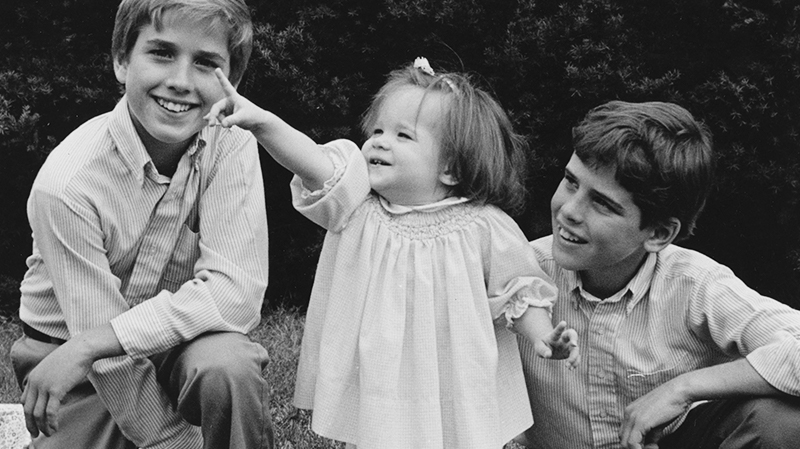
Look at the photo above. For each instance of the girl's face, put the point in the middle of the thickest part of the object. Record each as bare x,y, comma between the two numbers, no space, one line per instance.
403,153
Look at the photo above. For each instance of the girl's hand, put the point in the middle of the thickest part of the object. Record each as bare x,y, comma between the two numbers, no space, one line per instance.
561,343
235,109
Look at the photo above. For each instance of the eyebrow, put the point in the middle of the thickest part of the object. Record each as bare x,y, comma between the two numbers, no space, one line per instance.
611,202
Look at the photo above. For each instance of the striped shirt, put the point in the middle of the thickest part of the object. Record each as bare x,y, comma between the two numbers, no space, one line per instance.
162,259
682,311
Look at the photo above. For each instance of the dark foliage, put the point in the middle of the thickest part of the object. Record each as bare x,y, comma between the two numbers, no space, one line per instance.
734,64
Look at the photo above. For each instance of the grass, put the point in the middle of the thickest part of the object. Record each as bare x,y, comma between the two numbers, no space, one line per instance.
280,333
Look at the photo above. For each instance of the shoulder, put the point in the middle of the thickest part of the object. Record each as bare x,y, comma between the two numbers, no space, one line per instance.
677,262
81,148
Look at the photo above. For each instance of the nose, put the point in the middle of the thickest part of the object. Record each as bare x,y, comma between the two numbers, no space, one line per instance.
380,141
569,207
180,77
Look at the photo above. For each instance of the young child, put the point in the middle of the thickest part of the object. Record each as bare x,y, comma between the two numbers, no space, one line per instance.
149,263
661,327
405,343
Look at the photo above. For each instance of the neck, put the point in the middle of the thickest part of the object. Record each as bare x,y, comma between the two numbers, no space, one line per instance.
605,283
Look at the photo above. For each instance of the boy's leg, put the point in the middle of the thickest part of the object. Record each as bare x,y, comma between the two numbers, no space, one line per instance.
216,382
739,423
83,420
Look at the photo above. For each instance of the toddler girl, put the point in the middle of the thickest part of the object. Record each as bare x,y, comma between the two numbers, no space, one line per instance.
406,342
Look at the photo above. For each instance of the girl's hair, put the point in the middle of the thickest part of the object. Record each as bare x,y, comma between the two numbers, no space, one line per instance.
659,153
231,16
479,146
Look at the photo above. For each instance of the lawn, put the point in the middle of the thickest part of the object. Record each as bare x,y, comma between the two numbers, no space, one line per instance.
280,332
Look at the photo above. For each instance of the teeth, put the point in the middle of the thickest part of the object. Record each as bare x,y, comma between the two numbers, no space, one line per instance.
377,162
174,107
568,236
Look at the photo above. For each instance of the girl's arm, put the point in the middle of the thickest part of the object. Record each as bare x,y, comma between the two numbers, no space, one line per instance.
558,343
291,148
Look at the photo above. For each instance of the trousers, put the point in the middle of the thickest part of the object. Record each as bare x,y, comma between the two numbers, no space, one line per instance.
215,382
752,423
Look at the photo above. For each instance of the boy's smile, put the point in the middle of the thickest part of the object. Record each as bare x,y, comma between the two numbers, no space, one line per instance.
596,228
169,80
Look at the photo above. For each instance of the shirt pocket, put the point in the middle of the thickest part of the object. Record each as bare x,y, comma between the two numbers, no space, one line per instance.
184,257
638,381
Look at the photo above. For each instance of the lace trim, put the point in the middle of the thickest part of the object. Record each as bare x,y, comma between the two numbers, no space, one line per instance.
339,166
516,307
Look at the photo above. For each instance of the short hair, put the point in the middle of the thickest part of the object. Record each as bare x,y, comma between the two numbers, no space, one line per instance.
479,146
659,153
232,15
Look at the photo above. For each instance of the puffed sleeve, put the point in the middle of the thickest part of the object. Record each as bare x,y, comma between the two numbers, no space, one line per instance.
331,206
514,279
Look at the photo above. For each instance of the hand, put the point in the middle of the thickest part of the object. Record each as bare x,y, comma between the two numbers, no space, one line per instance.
234,109
561,343
646,417
48,383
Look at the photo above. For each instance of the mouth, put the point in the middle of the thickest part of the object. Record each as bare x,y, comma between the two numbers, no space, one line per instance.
174,107
568,236
376,161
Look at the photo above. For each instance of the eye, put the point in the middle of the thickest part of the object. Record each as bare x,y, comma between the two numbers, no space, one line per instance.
208,63
404,136
570,181
161,53
377,132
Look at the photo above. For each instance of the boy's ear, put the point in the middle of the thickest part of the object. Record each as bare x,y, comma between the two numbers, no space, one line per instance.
121,70
447,178
663,235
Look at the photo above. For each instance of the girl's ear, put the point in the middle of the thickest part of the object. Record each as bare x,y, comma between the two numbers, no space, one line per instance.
447,178
663,235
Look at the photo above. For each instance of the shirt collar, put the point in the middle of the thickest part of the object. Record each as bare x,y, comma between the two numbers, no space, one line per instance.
633,292
130,146
398,209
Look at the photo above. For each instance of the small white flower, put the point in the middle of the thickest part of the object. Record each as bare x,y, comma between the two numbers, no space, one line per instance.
422,64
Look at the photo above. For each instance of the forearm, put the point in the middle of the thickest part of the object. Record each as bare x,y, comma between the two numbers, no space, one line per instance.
534,324
294,150
737,378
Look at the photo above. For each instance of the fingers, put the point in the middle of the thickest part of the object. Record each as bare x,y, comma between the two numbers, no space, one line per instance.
216,115
227,87
28,401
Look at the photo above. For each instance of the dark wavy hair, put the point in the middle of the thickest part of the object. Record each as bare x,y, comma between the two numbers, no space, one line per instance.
660,154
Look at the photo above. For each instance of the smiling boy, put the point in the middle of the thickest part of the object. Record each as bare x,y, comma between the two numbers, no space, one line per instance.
661,328
149,263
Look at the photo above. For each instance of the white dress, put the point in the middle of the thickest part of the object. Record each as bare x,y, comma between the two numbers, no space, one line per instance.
405,343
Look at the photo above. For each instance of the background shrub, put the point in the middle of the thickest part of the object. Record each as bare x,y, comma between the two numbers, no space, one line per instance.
734,64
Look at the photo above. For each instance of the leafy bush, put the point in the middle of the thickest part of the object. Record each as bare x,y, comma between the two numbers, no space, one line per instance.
734,64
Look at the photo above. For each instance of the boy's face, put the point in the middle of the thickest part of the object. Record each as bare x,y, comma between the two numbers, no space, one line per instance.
169,80
596,226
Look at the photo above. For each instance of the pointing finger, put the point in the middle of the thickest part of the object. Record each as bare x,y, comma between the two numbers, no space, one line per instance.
227,87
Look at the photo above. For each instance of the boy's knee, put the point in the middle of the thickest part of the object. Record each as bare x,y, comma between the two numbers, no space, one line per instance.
219,363
774,420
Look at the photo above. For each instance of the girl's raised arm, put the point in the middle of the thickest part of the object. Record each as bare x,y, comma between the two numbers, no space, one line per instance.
291,148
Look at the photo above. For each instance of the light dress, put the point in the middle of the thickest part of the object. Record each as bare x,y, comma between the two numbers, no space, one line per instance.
405,342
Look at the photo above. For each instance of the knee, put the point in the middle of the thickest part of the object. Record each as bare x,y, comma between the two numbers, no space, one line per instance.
775,421
220,363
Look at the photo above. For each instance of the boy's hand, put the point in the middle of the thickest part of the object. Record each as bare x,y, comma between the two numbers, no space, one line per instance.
235,109
48,383
561,343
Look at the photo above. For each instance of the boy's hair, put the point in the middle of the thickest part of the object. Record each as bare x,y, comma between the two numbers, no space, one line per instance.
659,153
479,146
232,15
